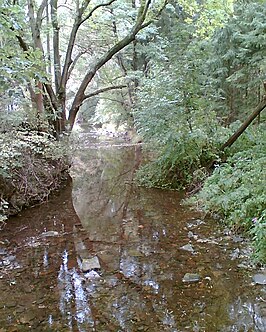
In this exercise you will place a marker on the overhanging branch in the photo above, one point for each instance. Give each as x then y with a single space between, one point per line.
140 24
108 88
144 25
94 9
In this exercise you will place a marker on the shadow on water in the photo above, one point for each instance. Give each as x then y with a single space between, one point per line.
106 255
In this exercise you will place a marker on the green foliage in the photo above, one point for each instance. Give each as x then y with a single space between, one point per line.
180 162
31 165
236 64
236 190
18 68
19 144
173 111
258 233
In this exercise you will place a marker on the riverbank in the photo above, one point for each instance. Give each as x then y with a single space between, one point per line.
32 165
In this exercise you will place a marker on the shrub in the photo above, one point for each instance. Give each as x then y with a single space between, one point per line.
236 191
31 166
181 160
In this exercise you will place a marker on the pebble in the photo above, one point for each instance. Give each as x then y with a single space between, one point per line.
191 277
260 279
90 264
49 233
187 247
11 304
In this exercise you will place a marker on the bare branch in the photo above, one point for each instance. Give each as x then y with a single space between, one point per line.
246 123
78 22
94 9
51 95
156 16
22 43
40 12
73 64
108 88
84 5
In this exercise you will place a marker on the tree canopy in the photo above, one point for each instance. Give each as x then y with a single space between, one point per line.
64 45
189 76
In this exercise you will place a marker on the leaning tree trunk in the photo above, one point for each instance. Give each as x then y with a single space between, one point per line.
240 131
246 123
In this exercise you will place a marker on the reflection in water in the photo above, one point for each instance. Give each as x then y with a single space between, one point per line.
137 234
119 266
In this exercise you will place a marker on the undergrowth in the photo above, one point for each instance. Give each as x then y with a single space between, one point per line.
31 166
181 160
236 190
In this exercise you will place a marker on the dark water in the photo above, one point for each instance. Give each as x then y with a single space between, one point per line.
129 240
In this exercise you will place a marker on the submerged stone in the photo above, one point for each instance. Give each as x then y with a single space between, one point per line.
11 304
260 278
49 233
92 275
89 264
191 277
237 238
27 318
187 247
135 253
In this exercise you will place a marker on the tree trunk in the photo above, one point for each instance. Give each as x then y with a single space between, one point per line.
80 95
57 62
35 25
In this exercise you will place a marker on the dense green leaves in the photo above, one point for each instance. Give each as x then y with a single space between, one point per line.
236 190
31 165
237 62
179 162
201 84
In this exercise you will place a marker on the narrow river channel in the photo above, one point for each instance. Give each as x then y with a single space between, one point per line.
105 255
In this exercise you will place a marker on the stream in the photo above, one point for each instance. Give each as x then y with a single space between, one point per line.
105 255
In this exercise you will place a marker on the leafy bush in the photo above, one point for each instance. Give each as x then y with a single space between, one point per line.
31 166
258 233
236 190
181 161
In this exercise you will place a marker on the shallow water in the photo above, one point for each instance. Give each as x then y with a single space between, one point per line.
105 255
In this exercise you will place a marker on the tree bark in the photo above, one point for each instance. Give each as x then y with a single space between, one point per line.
102 90
56 53
35 25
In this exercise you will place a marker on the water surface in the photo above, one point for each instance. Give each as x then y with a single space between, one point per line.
105 255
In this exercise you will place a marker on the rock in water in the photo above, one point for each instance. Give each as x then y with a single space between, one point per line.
191 277
49 233
260 279
188 247
89 264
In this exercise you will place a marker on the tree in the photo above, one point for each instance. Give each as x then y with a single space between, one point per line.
56 40
237 64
